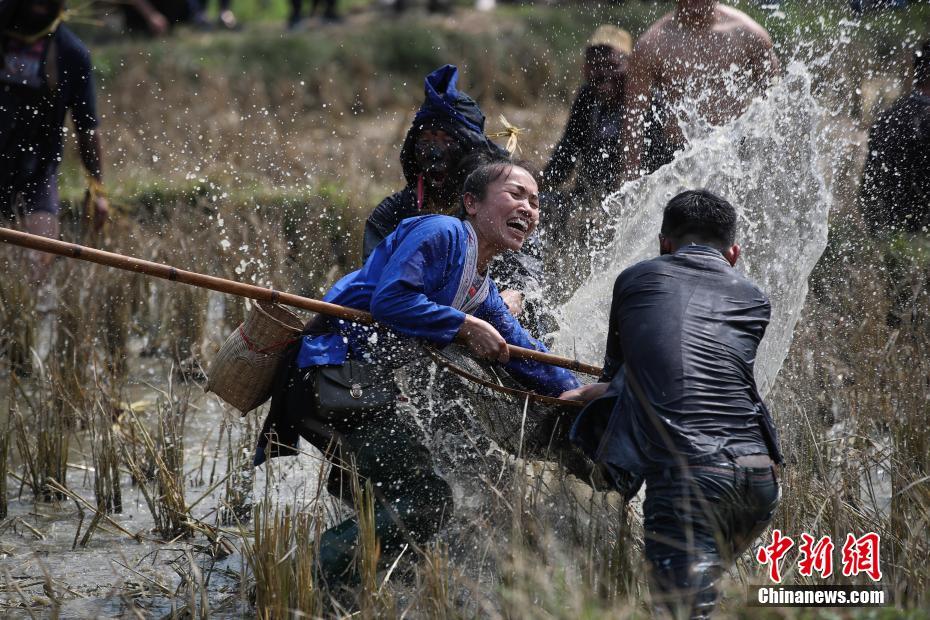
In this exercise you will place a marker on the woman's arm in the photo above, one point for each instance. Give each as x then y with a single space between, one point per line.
415 271
542 378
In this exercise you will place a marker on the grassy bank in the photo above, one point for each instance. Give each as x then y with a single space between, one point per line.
239 109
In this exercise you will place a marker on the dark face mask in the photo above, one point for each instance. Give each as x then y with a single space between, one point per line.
432 157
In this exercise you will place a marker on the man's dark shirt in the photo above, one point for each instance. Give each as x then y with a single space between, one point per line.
31 143
590 146
896 180
687 326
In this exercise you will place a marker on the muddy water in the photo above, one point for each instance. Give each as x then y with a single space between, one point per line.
120 570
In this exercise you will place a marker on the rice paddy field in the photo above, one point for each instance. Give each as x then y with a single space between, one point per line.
126 490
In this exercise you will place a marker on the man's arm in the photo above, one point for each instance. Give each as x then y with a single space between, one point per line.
760 52
543 378
642 76
89 148
156 22
84 115
565 154
613 352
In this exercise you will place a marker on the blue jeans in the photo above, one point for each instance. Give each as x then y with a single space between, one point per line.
697 522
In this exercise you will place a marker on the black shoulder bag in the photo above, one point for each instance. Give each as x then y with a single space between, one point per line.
352 388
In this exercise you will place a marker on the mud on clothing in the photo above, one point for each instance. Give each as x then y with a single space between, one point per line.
684 331
39 84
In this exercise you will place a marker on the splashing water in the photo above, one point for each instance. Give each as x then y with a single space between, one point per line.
771 165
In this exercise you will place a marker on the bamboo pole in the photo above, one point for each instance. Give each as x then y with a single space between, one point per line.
222 285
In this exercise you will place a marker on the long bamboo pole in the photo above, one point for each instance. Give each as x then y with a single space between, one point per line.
222 285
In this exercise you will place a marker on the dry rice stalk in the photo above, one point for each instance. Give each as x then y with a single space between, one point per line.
165 498
280 557
43 441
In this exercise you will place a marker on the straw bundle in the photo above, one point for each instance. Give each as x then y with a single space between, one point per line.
243 371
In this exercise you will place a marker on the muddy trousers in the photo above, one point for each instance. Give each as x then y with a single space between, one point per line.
411 499
696 523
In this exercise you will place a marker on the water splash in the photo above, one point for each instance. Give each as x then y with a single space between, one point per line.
771 164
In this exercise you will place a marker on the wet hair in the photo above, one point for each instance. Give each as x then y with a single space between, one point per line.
922 62
485 169
701 216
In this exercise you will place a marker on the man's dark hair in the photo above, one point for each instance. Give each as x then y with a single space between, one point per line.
700 216
487 169
922 62
595 54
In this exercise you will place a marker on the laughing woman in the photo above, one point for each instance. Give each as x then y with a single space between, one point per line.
427 280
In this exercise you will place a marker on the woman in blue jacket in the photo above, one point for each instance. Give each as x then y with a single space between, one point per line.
428 281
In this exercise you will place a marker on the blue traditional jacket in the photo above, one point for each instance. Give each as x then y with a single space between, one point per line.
419 283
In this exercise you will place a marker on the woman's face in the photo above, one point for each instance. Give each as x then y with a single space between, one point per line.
509 212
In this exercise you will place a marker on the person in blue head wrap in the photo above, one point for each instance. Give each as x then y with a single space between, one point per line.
445 142
448 127
428 281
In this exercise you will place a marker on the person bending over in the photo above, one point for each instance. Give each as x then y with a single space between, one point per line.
428 280
677 404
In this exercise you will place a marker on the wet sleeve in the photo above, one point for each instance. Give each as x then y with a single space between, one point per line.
83 102
566 152
541 378
416 270
613 355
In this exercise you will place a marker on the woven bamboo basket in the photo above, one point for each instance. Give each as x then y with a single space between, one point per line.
243 371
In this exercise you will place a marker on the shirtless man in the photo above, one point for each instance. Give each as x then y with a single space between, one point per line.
704 55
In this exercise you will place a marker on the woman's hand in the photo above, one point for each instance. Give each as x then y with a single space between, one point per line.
483 340
585 393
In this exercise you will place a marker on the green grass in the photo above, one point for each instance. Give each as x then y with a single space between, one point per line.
540 42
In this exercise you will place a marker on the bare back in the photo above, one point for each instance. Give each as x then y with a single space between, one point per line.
714 68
